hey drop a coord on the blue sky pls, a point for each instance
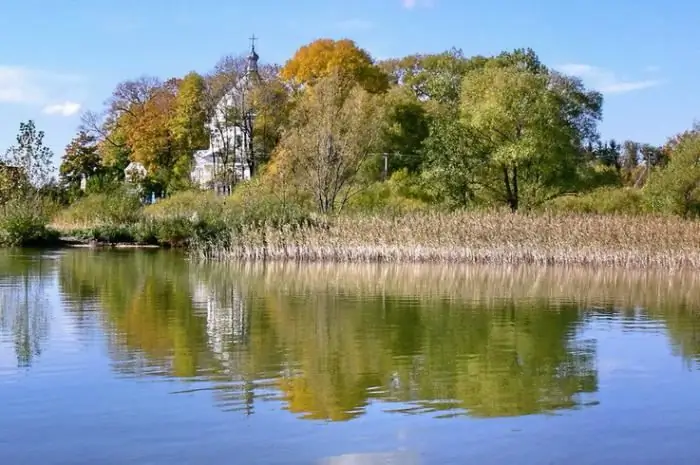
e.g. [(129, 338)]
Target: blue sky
[(58, 59)]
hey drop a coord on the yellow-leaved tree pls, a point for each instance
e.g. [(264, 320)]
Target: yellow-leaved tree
[(342, 58)]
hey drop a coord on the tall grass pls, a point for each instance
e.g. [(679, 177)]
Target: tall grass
[(485, 238), (24, 222)]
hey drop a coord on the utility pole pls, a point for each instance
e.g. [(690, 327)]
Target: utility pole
[(386, 165)]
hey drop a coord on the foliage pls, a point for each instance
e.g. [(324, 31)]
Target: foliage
[(30, 155), (186, 205), (24, 222), (436, 78), (408, 125), (676, 188), (331, 137), (402, 193), (326, 58), (81, 160), (116, 208), (606, 200), (532, 125), (455, 158)]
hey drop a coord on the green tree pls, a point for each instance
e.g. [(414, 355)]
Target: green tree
[(534, 125), (432, 77), (676, 188), (331, 137), (30, 155), (80, 160), (454, 161), (408, 126)]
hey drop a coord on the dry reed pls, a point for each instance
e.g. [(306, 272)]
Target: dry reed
[(483, 238)]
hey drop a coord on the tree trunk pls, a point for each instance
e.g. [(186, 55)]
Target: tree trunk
[(511, 189)]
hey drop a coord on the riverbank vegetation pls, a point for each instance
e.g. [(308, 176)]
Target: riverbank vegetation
[(429, 157)]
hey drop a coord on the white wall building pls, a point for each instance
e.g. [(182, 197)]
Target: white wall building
[(229, 143)]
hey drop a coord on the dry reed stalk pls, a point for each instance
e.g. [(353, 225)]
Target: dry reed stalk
[(479, 238)]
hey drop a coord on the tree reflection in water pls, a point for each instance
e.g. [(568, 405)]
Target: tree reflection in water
[(24, 307), (327, 348)]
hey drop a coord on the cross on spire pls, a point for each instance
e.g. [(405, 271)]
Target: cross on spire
[(252, 42)]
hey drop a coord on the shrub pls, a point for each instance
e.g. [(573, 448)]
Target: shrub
[(23, 222), (606, 200), (119, 207), (187, 204)]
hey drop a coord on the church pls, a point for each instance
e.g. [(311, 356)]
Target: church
[(226, 161)]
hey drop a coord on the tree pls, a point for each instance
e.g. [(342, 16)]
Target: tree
[(331, 137), (454, 161), (676, 188), (408, 126), (80, 160), (432, 77), (342, 58), (188, 126), (533, 124), (30, 155)]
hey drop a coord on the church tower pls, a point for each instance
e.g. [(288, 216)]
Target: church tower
[(252, 75)]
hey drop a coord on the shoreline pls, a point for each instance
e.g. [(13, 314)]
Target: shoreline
[(430, 237)]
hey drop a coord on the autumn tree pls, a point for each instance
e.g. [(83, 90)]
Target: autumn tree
[(80, 160), (331, 137), (341, 58)]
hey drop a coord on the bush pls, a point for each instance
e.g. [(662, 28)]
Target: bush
[(606, 200), (402, 193), (187, 204), (119, 207), (24, 223)]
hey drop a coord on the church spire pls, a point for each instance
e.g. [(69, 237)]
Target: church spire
[(252, 67)]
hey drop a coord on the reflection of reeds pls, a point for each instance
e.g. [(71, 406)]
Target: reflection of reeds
[(480, 284), (485, 238)]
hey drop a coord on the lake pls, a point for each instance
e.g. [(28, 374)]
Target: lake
[(134, 357)]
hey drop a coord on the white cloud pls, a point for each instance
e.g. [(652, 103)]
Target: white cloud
[(605, 81), (63, 109), (26, 86), (411, 4)]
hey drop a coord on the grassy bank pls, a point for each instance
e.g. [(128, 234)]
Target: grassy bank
[(253, 228), (485, 238)]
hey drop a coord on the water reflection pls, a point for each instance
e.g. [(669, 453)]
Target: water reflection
[(329, 347), (24, 318), (326, 341)]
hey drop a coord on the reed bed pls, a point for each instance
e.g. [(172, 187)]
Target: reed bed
[(479, 238)]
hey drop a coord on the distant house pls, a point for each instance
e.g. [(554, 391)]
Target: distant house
[(224, 162), (134, 172)]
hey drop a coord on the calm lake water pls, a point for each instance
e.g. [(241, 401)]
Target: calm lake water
[(146, 358)]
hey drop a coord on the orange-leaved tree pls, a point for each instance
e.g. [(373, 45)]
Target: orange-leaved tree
[(325, 57)]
